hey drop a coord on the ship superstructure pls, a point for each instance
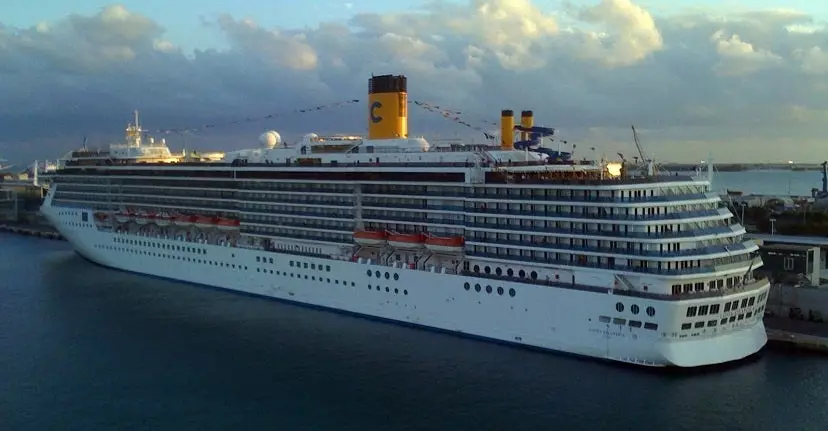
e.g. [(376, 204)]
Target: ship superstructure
[(513, 241)]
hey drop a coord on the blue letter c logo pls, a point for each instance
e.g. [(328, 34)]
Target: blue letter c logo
[(374, 117)]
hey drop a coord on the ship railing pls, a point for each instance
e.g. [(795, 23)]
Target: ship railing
[(621, 292), (624, 251), (620, 268), (715, 230)]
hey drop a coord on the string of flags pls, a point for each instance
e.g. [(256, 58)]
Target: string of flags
[(453, 115), (449, 114), (255, 119)]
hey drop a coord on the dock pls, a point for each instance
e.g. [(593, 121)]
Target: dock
[(793, 334), (32, 230)]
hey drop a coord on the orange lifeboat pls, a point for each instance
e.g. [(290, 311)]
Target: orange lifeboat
[(204, 222), (224, 223), (370, 237), (406, 240), (450, 244)]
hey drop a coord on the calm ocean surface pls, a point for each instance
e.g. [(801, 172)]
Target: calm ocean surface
[(769, 182), (87, 348)]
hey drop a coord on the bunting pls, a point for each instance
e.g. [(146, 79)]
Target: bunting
[(453, 115), (446, 113), (254, 119)]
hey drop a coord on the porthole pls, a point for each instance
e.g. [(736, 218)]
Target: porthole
[(522, 273), (396, 277), (369, 272), (634, 309), (499, 290), (534, 275), (397, 291), (378, 274), (488, 289), (467, 286), (477, 268), (387, 276), (487, 270), (386, 289), (650, 311), (510, 272), (512, 292), (369, 286), (405, 292), (619, 307), (498, 271), (477, 288)]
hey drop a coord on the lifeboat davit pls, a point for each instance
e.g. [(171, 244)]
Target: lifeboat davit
[(141, 217), (183, 220), (450, 244), (406, 240), (204, 222), (163, 219), (224, 223), (123, 217), (370, 237)]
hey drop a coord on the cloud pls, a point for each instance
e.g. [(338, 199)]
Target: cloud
[(737, 84)]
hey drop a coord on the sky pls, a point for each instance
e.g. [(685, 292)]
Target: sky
[(738, 80)]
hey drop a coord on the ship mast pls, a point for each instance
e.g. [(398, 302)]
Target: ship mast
[(133, 133)]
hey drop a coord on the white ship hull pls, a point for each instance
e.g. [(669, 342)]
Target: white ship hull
[(559, 319)]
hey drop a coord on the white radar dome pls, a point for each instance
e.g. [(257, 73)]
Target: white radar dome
[(270, 139)]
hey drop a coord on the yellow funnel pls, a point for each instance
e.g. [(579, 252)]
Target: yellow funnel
[(507, 129), (527, 119), (387, 107)]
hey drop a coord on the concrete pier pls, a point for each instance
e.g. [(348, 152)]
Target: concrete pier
[(793, 334), (33, 230)]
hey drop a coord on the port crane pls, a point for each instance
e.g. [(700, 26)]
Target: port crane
[(644, 159)]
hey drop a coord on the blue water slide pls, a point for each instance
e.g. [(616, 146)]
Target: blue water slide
[(536, 130)]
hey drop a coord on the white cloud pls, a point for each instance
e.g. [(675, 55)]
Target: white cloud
[(738, 57), (632, 35), (737, 84), (814, 60)]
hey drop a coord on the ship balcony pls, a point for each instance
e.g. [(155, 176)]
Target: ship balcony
[(385, 218), (695, 271), (755, 285), (534, 230), (487, 195), (282, 213), (592, 217), (269, 232), (680, 215), (618, 252), (303, 200), (561, 200)]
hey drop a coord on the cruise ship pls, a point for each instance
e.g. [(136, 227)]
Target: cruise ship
[(508, 241)]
